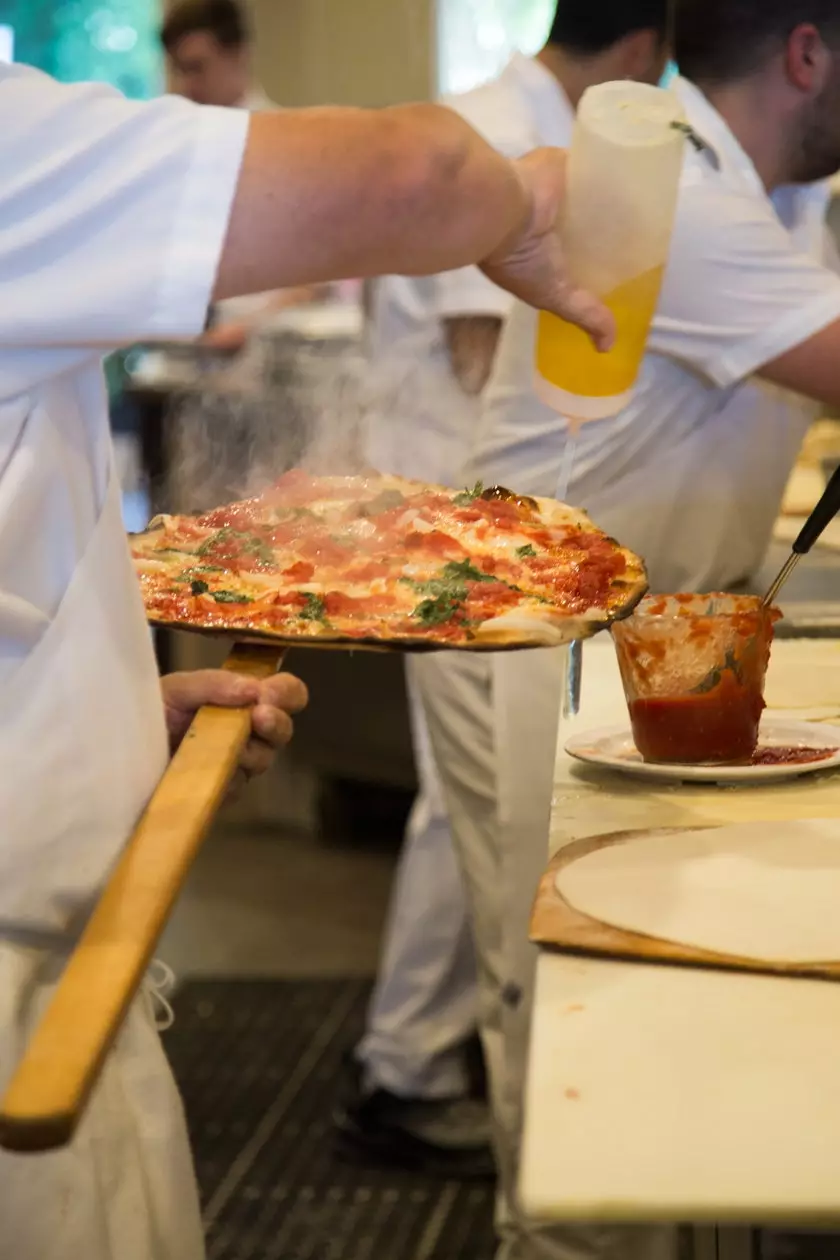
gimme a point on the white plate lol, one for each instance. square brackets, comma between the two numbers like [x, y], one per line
[613, 748]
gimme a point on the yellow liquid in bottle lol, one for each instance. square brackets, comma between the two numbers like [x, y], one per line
[566, 357]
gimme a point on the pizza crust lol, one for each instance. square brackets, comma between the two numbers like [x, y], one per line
[548, 629]
[762, 891]
[517, 627]
[496, 643]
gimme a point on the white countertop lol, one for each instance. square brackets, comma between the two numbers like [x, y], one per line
[672, 1094]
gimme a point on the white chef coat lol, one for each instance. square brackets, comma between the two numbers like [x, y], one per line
[113, 219]
[113, 216]
[691, 473]
[421, 421]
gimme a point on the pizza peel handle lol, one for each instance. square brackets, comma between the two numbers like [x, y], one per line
[52, 1083]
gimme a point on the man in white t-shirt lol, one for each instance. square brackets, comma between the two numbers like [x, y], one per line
[121, 221]
[690, 474]
[432, 345]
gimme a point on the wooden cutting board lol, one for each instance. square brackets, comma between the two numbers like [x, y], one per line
[557, 924]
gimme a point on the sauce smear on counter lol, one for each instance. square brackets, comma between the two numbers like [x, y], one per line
[795, 755]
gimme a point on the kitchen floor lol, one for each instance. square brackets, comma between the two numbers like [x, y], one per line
[294, 922]
[269, 903]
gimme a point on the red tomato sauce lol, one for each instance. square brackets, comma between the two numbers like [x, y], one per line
[720, 725]
[300, 571]
[371, 571]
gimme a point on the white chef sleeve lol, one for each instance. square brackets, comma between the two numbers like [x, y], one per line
[737, 294]
[113, 213]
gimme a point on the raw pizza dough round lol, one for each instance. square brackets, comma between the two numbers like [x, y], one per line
[768, 891]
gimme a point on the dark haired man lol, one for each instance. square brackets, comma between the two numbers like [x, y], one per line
[690, 474]
[208, 46]
[433, 343]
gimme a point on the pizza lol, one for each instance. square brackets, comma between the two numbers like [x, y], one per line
[377, 560]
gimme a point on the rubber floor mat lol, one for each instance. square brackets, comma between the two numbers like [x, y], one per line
[259, 1064]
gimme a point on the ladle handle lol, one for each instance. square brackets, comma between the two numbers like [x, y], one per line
[822, 516]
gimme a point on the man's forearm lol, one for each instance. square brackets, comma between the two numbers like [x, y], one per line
[812, 368]
[331, 193]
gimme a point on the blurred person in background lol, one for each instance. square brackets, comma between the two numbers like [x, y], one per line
[209, 55]
[432, 345]
[690, 474]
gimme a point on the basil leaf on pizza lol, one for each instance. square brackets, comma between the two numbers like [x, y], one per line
[467, 496]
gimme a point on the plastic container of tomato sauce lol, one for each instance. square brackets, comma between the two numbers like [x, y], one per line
[693, 669]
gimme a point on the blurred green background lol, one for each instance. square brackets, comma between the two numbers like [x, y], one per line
[114, 41]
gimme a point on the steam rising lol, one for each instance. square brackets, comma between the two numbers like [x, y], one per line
[289, 404]
[317, 405]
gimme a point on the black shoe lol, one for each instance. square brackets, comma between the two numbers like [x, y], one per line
[441, 1138]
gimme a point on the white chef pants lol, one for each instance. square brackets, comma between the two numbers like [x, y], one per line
[493, 726]
[425, 1004]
